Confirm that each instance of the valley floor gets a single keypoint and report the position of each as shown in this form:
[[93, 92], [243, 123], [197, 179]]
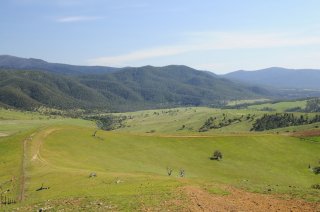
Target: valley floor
[[58, 165]]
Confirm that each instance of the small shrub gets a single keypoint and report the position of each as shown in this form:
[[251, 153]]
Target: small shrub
[[182, 173], [316, 186], [93, 174], [217, 155], [316, 170], [169, 171]]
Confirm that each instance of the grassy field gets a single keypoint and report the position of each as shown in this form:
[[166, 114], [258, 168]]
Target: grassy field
[[13, 122], [248, 101], [188, 121], [279, 106], [131, 162], [171, 121]]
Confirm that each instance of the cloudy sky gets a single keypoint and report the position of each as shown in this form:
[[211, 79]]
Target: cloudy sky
[[215, 35]]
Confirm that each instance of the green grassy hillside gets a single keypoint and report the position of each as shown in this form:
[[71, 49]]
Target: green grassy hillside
[[32, 89], [131, 166], [172, 120], [188, 121], [280, 106], [126, 89]]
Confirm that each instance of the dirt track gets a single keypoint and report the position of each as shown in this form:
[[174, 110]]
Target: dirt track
[[238, 200], [23, 171]]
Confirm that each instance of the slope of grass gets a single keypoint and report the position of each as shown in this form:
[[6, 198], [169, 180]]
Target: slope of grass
[[187, 121], [252, 162], [245, 101], [127, 89], [10, 160], [172, 120], [131, 164], [280, 106], [14, 121]]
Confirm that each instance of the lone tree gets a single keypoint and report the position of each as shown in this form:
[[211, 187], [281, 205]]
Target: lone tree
[[217, 155], [169, 171], [95, 133], [316, 170], [182, 173]]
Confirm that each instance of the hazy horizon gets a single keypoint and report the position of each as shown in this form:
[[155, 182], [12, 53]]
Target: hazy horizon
[[213, 71], [216, 36]]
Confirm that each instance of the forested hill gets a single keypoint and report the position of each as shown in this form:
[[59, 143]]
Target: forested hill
[[31, 89], [123, 90], [279, 77], [11, 62]]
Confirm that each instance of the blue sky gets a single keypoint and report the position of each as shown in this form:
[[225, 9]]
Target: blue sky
[[219, 36]]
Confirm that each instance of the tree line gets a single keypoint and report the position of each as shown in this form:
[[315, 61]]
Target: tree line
[[279, 120]]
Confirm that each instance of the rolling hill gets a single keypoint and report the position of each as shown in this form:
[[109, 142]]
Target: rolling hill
[[29, 89], [279, 78], [168, 86], [125, 89], [11, 62], [55, 163]]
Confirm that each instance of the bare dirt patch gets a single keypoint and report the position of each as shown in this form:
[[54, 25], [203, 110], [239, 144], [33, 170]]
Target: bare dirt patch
[[198, 199], [70, 204], [307, 133], [3, 134]]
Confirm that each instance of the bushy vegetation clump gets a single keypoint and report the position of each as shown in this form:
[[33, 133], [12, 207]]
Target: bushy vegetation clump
[[316, 186], [316, 170], [214, 123], [108, 122], [217, 155], [279, 120], [313, 105]]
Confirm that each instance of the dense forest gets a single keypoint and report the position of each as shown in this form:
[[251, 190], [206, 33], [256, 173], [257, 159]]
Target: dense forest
[[127, 89]]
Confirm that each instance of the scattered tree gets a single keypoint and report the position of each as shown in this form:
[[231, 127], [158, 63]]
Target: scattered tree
[[94, 134], [316, 186], [313, 105], [182, 173], [217, 155], [316, 170], [169, 171], [42, 188], [93, 174]]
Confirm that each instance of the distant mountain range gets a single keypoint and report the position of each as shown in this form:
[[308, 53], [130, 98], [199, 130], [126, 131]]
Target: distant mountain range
[[11, 62], [279, 78], [30, 83]]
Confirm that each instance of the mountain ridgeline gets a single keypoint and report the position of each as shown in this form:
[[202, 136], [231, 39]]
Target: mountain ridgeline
[[11, 62], [279, 78], [30, 83]]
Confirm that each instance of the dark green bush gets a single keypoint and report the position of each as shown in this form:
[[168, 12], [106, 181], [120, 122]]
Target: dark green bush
[[217, 155]]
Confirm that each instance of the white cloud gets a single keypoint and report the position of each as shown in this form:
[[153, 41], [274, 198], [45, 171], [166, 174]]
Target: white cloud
[[140, 55], [70, 19], [208, 41]]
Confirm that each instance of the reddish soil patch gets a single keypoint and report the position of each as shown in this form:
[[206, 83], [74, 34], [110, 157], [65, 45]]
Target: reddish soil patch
[[238, 200], [308, 133]]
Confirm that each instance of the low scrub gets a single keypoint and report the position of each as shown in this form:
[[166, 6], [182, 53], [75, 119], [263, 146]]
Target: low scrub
[[108, 122], [217, 155], [316, 170], [316, 186]]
